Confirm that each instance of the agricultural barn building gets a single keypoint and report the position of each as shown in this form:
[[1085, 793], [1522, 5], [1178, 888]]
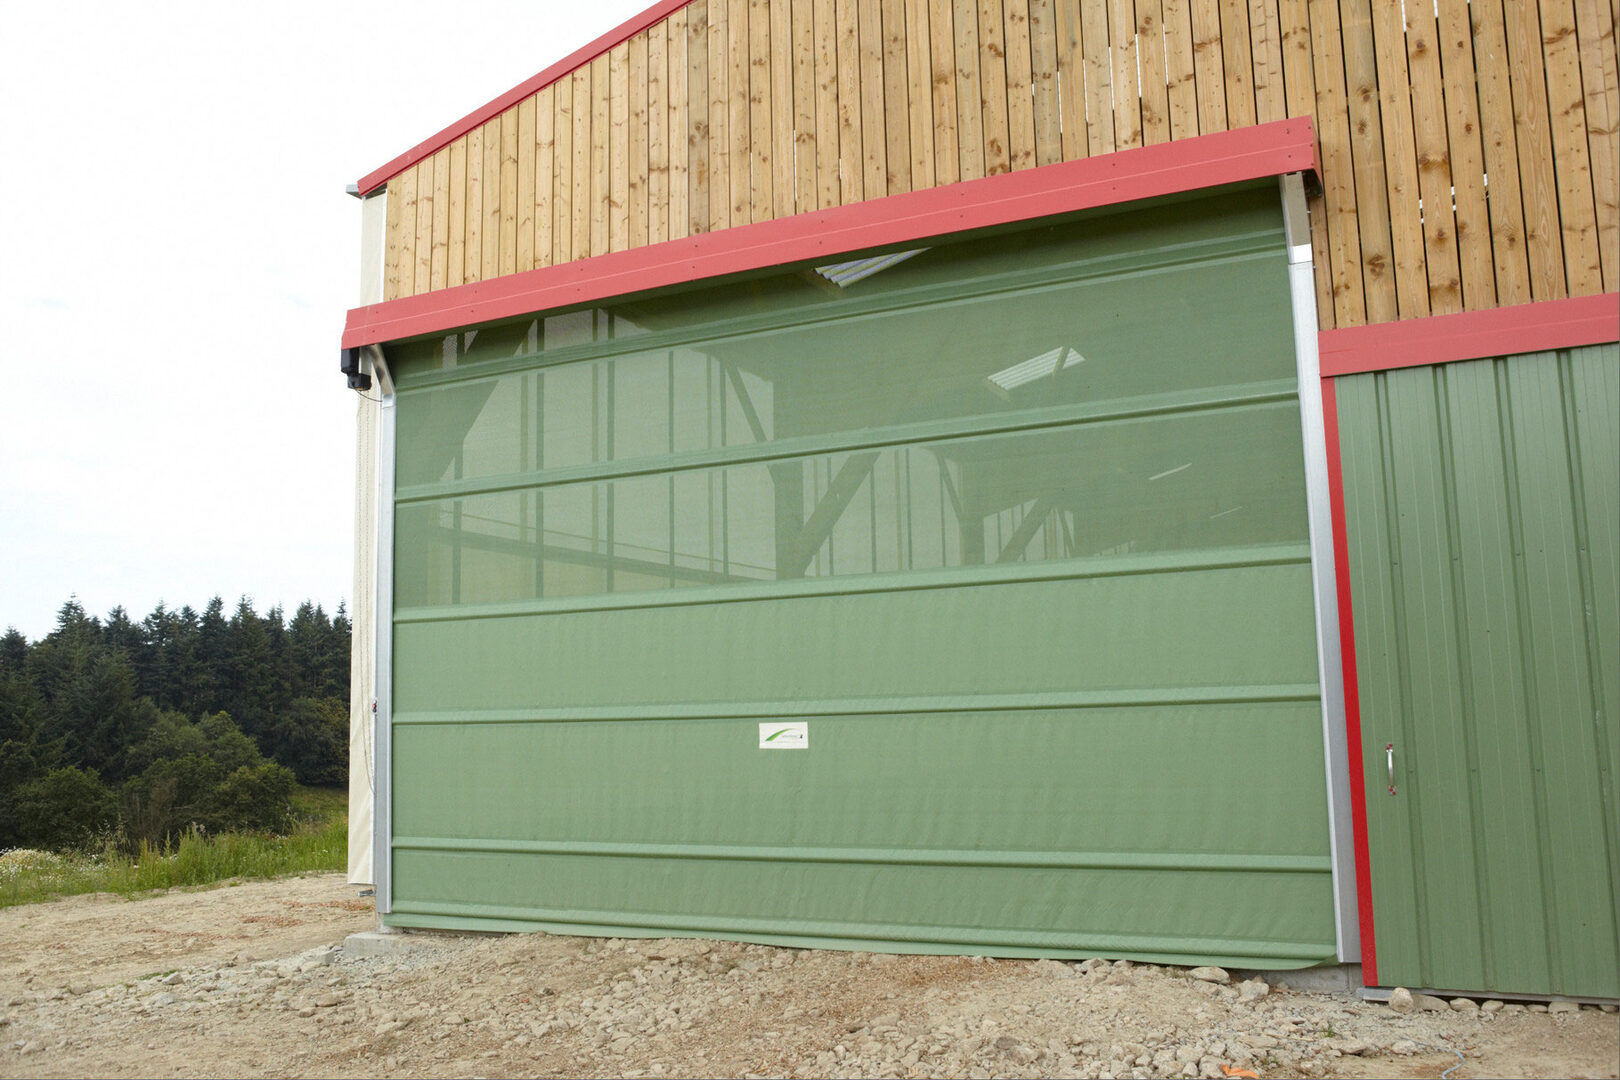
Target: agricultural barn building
[[1023, 477]]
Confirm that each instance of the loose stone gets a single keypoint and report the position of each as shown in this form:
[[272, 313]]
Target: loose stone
[[1253, 990]]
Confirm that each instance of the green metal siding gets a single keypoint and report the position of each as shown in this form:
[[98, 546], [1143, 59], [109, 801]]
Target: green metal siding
[[1483, 514], [1017, 526]]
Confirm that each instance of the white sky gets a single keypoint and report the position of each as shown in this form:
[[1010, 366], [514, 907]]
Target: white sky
[[176, 257]]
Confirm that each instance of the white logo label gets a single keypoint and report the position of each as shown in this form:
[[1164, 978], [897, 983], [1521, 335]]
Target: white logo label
[[784, 735]]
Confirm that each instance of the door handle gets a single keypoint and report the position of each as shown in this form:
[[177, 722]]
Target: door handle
[[1389, 753]]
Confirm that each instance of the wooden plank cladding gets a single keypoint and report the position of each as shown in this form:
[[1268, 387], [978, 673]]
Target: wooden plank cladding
[[1468, 147]]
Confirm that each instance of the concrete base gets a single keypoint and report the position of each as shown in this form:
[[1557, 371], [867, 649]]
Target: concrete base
[[369, 943], [1328, 979]]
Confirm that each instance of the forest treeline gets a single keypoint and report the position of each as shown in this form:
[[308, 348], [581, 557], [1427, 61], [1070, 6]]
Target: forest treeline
[[113, 730]]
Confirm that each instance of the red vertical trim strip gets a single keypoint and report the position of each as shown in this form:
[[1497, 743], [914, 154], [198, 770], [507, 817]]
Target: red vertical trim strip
[[1352, 695]]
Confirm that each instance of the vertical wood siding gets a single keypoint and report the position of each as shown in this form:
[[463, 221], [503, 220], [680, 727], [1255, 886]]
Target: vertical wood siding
[[1468, 149]]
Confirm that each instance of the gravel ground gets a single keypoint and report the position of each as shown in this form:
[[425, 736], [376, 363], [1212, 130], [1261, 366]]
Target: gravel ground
[[527, 1005]]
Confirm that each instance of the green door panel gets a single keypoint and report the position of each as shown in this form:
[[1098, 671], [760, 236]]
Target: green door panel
[[1483, 509], [1006, 910], [986, 781], [1234, 628], [1016, 527]]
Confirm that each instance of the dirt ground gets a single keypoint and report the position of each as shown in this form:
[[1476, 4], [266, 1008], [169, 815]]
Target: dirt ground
[[250, 980]]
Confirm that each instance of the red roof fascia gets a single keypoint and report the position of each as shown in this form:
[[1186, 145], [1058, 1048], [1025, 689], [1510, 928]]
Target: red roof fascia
[[574, 60], [1471, 335], [1192, 164]]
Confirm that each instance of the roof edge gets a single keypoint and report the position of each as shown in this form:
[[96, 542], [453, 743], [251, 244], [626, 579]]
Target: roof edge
[[1191, 164], [1539, 326], [568, 64]]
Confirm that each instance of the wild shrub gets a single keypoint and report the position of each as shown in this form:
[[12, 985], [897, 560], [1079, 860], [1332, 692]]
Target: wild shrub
[[65, 808], [254, 799]]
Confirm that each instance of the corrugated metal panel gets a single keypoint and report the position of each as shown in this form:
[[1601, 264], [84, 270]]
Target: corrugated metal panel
[[1483, 514], [845, 274], [1051, 630]]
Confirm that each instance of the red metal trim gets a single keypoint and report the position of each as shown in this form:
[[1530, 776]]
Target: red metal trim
[[1472, 335], [574, 60], [1169, 168], [1352, 694]]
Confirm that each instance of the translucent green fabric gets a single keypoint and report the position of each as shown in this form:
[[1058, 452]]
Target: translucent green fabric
[[1183, 482], [1102, 386]]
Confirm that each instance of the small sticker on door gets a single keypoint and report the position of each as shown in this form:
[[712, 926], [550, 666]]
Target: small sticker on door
[[781, 735]]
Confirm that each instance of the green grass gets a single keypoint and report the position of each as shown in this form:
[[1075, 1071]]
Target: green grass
[[320, 803], [318, 842]]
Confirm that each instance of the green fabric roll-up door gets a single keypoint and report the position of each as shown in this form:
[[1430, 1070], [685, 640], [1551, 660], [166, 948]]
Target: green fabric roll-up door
[[1483, 515], [1014, 527]]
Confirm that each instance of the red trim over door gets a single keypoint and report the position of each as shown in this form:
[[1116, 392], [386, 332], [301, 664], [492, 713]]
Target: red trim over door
[[1352, 693], [572, 62], [1472, 335], [1166, 169]]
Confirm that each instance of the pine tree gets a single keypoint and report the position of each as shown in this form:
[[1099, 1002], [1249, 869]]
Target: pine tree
[[190, 681], [248, 685], [321, 652], [98, 713], [13, 651], [152, 662], [212, 648], [118, 632], [283, 676], [340, 635], [64, 650]]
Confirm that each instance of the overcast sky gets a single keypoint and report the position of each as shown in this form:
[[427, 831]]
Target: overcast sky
[[176, 257]]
